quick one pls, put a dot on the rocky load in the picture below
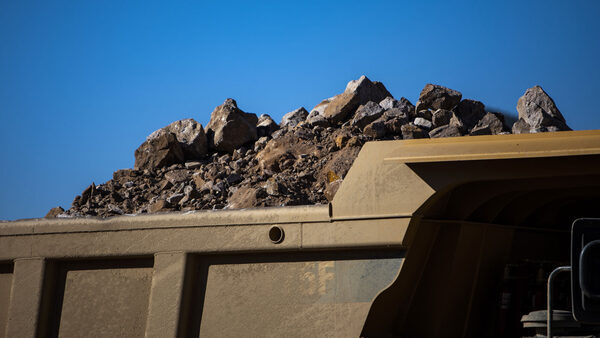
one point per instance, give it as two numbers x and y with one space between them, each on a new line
240 160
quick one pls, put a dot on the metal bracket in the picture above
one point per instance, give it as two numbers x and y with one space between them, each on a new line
549 294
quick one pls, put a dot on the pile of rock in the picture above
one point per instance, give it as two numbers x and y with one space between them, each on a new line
240 160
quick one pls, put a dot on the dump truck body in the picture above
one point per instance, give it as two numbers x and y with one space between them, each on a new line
415 243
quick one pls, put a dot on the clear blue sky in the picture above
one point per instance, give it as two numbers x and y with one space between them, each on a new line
82 83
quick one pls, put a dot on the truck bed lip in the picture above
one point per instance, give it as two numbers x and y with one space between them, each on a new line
205 218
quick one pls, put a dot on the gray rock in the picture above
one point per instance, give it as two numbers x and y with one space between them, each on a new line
423 123
389 103
230 128
357 92
366 114
408 108
538 110
469 112
265 126
395 113
445 131
160 149
410 131
403 105
175 198
293 118
490 124
522 127
441 117
438 97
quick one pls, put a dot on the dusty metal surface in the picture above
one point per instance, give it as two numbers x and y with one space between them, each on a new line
297 296
77 264
5 285
112 300
415 215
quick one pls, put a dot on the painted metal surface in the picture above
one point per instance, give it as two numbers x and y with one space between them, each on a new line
413 220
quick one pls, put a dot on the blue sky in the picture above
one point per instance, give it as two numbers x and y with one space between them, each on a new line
82 83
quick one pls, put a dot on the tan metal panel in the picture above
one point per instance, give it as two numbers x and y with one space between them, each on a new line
375 188
104 301
368 232
572 143
398 177
328 298
25 297
5 286
166 294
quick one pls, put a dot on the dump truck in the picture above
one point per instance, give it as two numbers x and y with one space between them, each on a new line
424 238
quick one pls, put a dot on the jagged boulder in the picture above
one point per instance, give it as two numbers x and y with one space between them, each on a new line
230 127
437 97
389 103
266 126
403 105
469 112
357 92
341 107
190 134
522 127
366 114
538 112
292 118
490 124
367 90
160 149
